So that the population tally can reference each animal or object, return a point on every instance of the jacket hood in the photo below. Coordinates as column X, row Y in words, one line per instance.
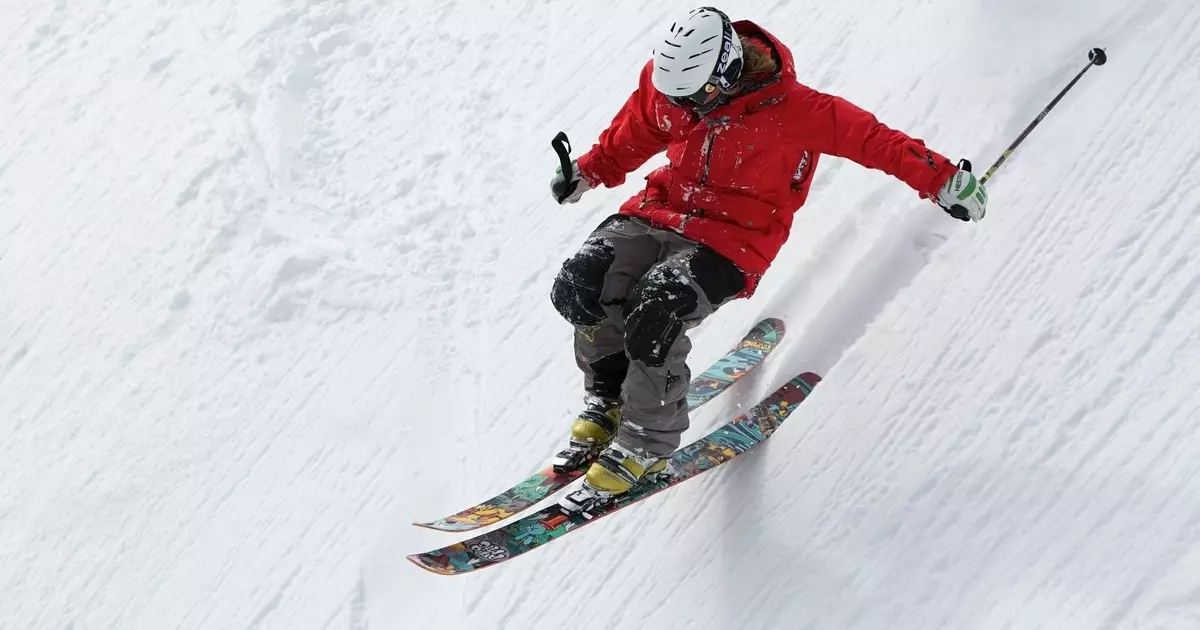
column 754, row 35
column 787, row 65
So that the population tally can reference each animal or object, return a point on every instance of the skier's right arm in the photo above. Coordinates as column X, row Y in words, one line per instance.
column 632, row 138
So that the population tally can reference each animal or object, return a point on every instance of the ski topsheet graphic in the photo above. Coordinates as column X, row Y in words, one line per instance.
column 738, row 362
column 524, row 535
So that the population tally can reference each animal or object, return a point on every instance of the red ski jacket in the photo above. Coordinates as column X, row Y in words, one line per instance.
column 738, row 174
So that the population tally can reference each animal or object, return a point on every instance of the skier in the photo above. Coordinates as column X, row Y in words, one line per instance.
column 743, row 139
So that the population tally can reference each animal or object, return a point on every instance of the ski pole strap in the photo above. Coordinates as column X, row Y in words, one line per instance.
column 562, row 146
column 1096, row 57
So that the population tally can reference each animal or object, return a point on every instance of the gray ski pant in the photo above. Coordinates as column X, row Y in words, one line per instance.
column 632, row 291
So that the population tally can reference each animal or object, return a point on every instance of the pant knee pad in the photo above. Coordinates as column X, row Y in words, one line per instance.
column 576, row 291
column 654, row 317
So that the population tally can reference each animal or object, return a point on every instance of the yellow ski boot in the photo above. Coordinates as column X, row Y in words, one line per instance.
column 618, row 469
column 616, row 472
column 593, row 430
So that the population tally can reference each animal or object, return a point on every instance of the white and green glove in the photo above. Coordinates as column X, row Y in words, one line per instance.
column 963, row 196
column 569, row 189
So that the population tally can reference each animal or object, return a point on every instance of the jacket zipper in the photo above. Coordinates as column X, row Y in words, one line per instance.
column 706, row 151
column 706, row 148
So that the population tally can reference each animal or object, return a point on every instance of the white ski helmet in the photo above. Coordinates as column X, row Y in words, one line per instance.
column 699, row 54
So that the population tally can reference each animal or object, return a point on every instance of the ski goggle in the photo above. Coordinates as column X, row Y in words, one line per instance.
column 699, row 97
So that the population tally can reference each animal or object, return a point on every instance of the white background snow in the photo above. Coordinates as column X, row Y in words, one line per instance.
column 274, row 279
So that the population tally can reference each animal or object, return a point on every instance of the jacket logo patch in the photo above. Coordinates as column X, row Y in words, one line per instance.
column 928, row 157
column 801, row 171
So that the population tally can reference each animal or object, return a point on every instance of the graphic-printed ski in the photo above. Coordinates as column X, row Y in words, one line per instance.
column 723, row 444
column 751, row 351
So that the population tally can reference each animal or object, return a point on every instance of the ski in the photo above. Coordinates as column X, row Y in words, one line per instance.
column 729, row 369
column 538, row 529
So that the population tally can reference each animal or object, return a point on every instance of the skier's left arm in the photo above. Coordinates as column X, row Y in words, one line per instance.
column 835, row 126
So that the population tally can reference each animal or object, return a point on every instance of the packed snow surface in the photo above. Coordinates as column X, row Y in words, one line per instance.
column 275, row 284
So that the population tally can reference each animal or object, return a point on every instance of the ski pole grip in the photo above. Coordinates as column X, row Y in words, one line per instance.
column 562, row 146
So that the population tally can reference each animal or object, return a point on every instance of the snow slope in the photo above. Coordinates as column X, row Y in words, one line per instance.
column 275, row 278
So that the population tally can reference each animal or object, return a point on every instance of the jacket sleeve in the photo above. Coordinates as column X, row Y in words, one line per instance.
column 632, row 138
column 835, row 126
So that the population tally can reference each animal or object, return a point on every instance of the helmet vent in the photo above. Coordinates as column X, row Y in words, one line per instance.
column 697, row 52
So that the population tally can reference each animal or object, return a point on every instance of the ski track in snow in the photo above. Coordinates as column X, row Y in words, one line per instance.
column 276, row 281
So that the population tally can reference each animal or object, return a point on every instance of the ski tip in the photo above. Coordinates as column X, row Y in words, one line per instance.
column 807, row 381
column 432, row 568
column 451, row 526
column 773, row 323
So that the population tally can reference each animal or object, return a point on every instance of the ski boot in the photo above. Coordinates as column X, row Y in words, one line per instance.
column 595, row 427
column 616, row 472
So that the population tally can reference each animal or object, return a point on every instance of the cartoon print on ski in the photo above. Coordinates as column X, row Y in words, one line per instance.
column 755, row 345
column 516, row 500
column 531, row 489
column 727, row 442
column 540, row 532
column 718, row 381
column 451, row 561
column 750, row 351
column 487, row 514
column 722, row 447
column 488, row 550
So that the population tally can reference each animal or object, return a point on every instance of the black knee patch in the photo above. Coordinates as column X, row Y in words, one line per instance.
column 719, row 278
column 576, row 290
column 654, row 315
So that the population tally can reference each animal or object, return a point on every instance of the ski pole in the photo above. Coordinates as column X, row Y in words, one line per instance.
column 562, row 146
column 1096, row 57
